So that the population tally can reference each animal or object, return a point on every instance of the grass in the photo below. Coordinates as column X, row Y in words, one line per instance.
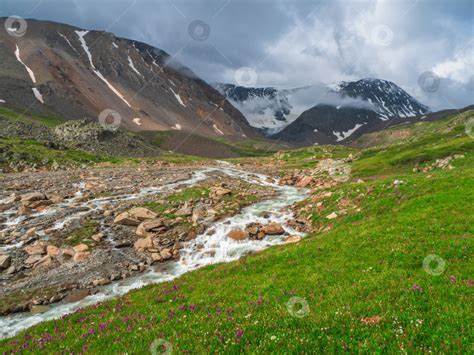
column 175, row 199
column 362, row 278
column 36, row 152
column 303, row 158
column 426, row 142
column 83, row 233
column 48, row 121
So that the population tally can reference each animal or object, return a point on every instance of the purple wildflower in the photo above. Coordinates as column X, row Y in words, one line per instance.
column 238, row 334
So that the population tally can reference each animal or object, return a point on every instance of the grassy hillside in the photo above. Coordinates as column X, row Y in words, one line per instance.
column 192, row 144
column 359, row 285
column 48, row 121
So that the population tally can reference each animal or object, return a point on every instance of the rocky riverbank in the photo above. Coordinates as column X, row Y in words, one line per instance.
column 64, row 235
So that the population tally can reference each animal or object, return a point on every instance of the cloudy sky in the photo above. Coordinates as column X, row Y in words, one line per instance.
column 425, row 46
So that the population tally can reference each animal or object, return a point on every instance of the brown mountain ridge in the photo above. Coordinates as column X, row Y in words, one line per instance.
column 61, row 70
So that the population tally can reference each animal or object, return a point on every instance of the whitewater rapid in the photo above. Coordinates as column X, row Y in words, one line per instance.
column 204, row 250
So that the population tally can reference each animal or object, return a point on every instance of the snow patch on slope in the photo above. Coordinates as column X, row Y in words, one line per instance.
column 81, row 35
column 68, row 42
column 38, row 95
column 30, row 72
column 153, row 59
column 178, row 98
column 344, row 135
column 137, row 121
column 217, row 130
column 2, row 101
column 131, row 65
column 115, row 91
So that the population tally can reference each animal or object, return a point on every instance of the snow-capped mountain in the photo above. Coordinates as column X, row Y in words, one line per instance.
column 323, row 113
column 350, row 109
column 267, row 108
column 388, row 99
column 61, row 70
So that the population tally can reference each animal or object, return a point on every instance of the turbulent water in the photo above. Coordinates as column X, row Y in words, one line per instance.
column 203, row 250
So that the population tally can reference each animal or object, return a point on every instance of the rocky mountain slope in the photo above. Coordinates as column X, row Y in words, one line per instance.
column 365, row 102
column 56, row 69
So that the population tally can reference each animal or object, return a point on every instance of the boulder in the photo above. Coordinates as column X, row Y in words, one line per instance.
column 56, row 199
column 184, row 212
column 33, row 259
column 149, row 227
column 101, row 282
column 44, row 262
column 198, row 214
column 33, row 196
column 143, row 244
column 38, row 309
column 81, row 256
column 218, row 192
column 52, row 250
column 29, row 233
column 166, row 254
column 238, row 234
column 156, row 257
column 97, row 237
column 80, row 248
column 332, row 216
column 261, row 235
column 4, row 207
column 5, row 261
column 273, row 229
column 125, row 219
column 35, row 249
column 24, row 211
column 252, row 229
column 293, row 239
column 191, row 235
column 40, row 205
column 142, row 213
column 304, row 181
column 76, row 296
column 68, row 252
column 12, row 199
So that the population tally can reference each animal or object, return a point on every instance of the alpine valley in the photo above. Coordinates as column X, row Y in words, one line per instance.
column 145, row 210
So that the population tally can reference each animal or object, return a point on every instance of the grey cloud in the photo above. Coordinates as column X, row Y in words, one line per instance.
column 289, row 43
